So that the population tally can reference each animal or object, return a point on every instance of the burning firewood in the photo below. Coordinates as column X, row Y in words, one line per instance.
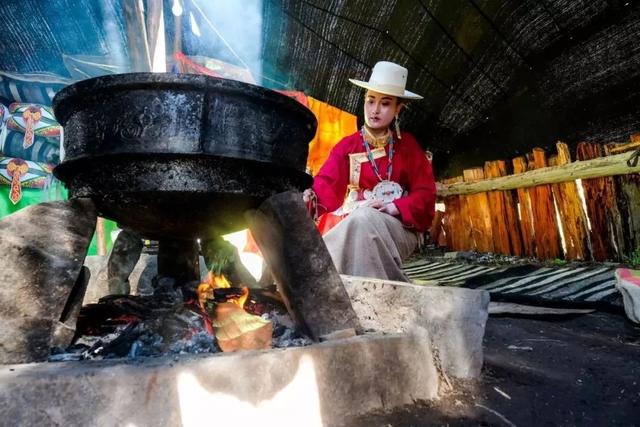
column 235, row 329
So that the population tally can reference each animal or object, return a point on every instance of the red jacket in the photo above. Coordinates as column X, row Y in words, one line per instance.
column 411, row 170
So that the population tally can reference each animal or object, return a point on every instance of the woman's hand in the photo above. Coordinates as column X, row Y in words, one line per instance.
column 307, row 195
column 388, row 208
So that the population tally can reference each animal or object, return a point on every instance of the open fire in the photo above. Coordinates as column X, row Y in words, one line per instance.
column 211, row 157
column 214, row 317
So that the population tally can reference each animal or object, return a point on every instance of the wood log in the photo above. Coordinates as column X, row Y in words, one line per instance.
column 154, row 17
column 133, row 11
column 628, row 197
column 177, row 33
column 100, row 237
column 544, row 214
column 477, row 208
column 605, row 166
column 457, row 233
column 525, row 210
column 436, row 228
column 504, row 213
column 235, row 329
column 623, row 148
column 156, row 35
column 572, row 216
column 302, row 266
column 602, row 210
column 452, row 223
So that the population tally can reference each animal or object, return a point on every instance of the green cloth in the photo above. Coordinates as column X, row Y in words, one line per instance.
column 32, row 196
column 109, row 226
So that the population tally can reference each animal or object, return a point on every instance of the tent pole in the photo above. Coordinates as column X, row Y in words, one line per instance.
column 136, row 35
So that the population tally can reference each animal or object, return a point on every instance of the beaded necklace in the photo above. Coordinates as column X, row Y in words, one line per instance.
column 377, row 141
column 372, row 160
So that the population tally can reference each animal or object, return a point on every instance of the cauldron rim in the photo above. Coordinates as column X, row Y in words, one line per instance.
column 192, row 137
column 64, row 101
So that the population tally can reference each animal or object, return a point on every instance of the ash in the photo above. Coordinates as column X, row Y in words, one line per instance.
column 128, row 327
column 285, row 332
column 179, row 332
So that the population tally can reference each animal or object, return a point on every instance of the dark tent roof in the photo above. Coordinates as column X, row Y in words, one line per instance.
column 498, row 76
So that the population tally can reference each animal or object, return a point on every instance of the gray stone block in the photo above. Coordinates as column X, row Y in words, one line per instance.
column 301, row 265
column 98, row 285
column 455, row 318
column 139, row 280
column 323, row 384
column 41, row 253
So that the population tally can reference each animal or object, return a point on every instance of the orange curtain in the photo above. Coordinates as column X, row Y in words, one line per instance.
column 333, row 125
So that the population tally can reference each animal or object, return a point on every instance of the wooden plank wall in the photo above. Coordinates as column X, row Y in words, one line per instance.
column 549, row 221
column 547, row 235
column 504, row 213
column 478, row 213
column 602, row 210
column 458, row 234
column 573, row 218
column 628, row 198
column 521, row 165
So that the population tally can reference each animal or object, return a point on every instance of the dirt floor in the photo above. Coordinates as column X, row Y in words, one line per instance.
column 556, row 371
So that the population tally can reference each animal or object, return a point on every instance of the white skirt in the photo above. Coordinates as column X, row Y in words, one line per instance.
column 370, row 243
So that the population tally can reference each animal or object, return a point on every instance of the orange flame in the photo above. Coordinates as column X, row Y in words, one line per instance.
column 243, row 298
column 217, row 281
column 205, row 292
column 214, row 281
column 220, row 281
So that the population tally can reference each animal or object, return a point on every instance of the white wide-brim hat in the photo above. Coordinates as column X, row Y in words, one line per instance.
column 388, row 78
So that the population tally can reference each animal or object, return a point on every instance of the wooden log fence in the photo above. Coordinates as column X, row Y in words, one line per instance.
column 602, row 209
column 572, row 216
column 478, row 213
column 628, row 194
column 547, row 235
column 548, row 206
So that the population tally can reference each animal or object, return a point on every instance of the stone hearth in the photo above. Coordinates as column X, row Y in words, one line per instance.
column 423, row 334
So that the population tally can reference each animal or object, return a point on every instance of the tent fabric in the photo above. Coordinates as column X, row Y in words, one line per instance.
column 39, row 88
column 212, row 67
column 461, row 54
column 333, row 125
column 511, row 74
column 465, row 56
column 30, row 196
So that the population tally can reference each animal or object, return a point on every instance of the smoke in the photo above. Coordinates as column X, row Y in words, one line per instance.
column 231, row 31
column 114, row 31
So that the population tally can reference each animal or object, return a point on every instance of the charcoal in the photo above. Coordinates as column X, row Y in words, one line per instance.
column 200, row 342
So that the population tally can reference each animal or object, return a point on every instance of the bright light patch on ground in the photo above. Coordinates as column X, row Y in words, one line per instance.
column 297, row 404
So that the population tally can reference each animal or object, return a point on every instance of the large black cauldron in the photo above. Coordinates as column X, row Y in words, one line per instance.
column 180, row 156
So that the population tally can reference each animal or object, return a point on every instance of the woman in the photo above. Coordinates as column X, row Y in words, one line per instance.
column 388, row 183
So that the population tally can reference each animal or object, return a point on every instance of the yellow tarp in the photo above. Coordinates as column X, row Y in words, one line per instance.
column 333, row 125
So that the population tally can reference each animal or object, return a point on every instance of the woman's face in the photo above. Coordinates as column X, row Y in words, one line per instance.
column 380, row 109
